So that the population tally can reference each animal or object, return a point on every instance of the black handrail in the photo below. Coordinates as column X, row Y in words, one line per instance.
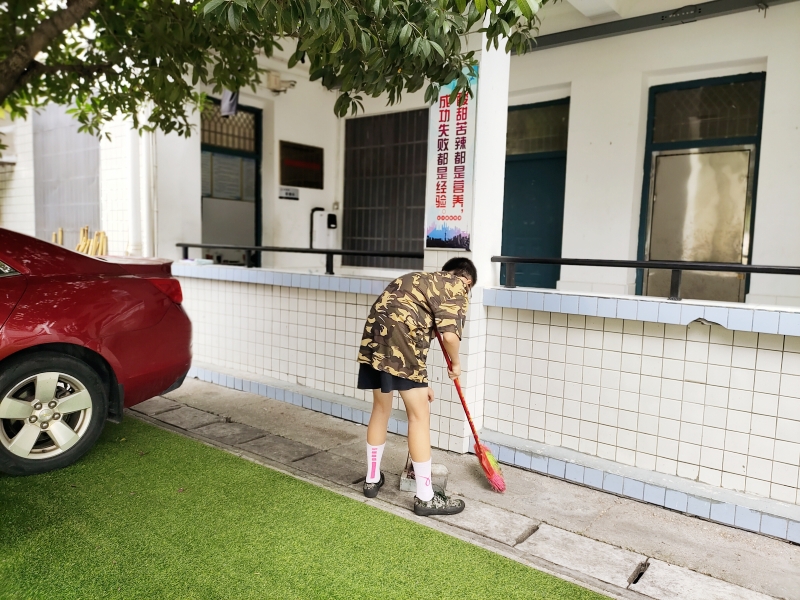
column 329, row 253
column 676, row 266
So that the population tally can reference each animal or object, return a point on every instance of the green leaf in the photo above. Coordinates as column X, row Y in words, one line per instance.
column 437, row 47
column 480, row 5
column 339, row 43
column 233, row 19
column 461, row 5
column 526, row 9
column 211, row 6
column 394, row 28
column 405, row 34
column 242, row 3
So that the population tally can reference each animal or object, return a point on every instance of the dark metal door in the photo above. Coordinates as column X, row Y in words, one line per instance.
column 533, row 214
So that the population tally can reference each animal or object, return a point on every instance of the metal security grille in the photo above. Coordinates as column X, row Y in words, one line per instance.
column 237, row 132
column 66, row 165
column 540, row 128
column 721, row 111
column 384, row 187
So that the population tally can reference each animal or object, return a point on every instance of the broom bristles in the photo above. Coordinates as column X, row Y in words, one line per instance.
column 491, row 468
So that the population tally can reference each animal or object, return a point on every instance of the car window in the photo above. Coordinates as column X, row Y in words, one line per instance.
column 5, row 270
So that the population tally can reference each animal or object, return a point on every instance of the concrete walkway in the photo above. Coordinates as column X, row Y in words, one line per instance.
column 595, row 539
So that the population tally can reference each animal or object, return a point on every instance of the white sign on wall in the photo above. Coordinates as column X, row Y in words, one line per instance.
column 451, row 152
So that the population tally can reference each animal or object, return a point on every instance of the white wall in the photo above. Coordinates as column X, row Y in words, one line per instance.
column 608, row 82
column 17, row 208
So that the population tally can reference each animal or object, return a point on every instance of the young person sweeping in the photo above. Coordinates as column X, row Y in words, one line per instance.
column 394, row 349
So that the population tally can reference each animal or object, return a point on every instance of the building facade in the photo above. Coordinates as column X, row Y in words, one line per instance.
column 674, row 143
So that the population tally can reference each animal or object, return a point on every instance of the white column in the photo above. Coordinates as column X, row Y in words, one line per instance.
column 486, row 241
column 134, row 197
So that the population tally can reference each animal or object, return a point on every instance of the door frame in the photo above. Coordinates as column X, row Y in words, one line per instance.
column 652, row 150
column 258, row 155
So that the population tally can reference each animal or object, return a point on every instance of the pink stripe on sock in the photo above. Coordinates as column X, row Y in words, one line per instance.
column 374, row 463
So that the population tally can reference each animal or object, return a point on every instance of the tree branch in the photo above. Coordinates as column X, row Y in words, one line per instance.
column 86, row 70
column 18, row 63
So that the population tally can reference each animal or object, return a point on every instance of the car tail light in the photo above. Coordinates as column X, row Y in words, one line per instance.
column 171, row 287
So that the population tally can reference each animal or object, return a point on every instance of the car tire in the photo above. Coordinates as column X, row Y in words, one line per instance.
column 52, row 411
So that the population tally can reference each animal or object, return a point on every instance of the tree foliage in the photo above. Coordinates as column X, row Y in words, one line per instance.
column 111, row 57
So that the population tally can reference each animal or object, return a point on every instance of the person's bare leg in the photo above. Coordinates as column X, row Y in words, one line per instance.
column 419, row 423
column 379, row 419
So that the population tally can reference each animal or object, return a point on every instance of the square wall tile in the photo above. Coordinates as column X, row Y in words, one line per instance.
column 740, row 319
column 747, row 518
column 774, row 526
column 654, row 494
column 676, row 500
column 765, row 321
column 613, row 483
column 569, row 305
column 699, row 507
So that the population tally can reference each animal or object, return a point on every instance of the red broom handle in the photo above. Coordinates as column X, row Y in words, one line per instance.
column 458, row 387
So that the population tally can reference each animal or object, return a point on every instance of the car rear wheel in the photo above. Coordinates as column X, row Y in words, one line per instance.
column 52, row 410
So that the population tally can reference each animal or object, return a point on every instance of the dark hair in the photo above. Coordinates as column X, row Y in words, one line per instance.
column 462, row 267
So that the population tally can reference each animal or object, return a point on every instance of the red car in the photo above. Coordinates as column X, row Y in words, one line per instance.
column 80, row 338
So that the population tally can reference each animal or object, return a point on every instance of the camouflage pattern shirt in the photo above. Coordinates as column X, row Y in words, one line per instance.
column 399, row 327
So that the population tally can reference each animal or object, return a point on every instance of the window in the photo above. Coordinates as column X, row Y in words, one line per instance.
column 715, row 111
column 538, row 128
column 384, row 187
column 236, row 132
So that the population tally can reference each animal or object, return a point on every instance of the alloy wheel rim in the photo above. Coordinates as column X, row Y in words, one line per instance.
column 44, row 415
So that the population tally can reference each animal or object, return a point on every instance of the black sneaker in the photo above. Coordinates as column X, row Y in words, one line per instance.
column 371, row 489
column 438, row 505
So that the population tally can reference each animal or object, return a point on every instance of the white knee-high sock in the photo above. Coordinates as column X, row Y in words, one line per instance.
column 422, row 474
column 374, row 455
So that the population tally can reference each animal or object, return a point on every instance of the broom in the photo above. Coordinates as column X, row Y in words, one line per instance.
column 488, row 462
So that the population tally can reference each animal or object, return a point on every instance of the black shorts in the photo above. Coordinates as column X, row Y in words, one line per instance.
column 370, row 378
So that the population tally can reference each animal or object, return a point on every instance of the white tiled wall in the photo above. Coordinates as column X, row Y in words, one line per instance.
column 17, row 208
column 311, row 336
column 698, row 401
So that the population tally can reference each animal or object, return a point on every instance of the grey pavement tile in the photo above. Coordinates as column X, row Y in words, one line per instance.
column 332, row 467
column 156, row 406
column 279, row 449
column 602, row 561
column 492, row 522
column 188, row 418
column 232, row 434
column 664, row 581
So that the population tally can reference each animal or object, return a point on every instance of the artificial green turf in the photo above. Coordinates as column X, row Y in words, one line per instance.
column 150, row 514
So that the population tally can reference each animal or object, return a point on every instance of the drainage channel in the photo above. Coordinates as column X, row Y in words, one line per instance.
column 638, row 572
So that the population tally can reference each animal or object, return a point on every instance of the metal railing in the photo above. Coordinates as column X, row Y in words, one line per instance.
column 677, row 268
column 250, row 252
